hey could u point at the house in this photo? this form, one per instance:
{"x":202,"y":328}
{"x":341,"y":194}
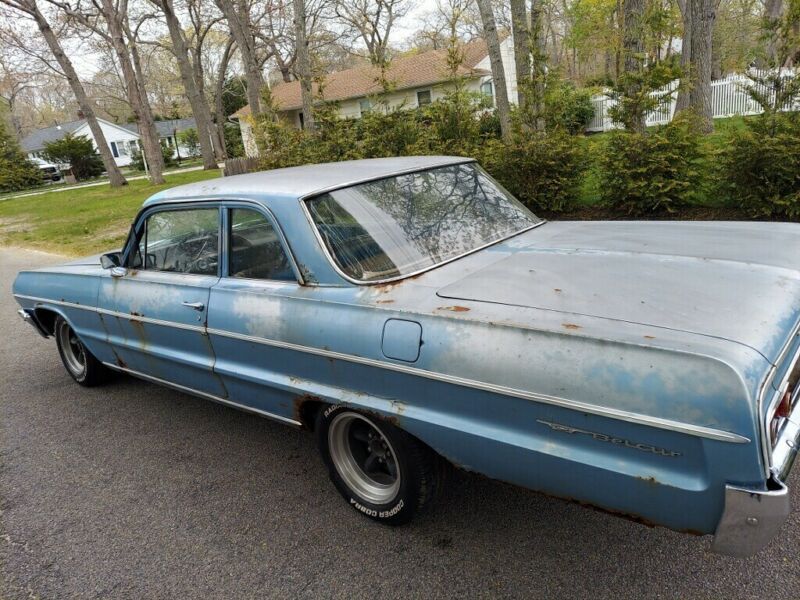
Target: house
{"x":414,"y":80}
{"x":168,"y":133}
{"x":123,"y":139}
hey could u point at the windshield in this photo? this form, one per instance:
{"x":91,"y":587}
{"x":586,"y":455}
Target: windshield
{"x":404,"y":224}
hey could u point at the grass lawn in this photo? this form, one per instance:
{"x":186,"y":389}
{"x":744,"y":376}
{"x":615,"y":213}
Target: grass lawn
{"x":81,"y":221}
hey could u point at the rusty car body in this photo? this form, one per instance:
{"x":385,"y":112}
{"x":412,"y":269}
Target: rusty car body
{"x":646,"y":368}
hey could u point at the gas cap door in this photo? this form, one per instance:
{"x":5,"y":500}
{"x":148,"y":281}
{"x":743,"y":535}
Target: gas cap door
{"x":401,"y":340}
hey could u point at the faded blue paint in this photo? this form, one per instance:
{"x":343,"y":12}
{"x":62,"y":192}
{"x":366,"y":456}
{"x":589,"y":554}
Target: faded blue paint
{"x":675,"y":321}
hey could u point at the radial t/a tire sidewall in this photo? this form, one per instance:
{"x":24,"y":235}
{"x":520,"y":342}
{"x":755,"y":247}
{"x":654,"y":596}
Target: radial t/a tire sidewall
{"x":404,"y":505}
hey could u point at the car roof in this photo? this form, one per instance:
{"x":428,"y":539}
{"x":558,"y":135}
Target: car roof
{"x":306,"y":180}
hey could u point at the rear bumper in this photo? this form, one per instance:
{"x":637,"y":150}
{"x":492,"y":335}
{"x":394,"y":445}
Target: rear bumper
{"x":29,"y":316}
{"x":753,"y":517}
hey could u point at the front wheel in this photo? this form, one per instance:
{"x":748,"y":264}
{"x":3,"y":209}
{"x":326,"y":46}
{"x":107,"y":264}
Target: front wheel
{"x":382,"y":471}
{"x":82,"y":366}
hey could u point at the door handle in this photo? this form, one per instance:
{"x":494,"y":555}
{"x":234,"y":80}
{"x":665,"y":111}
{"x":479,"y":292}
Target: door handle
{"x":194,"y":305}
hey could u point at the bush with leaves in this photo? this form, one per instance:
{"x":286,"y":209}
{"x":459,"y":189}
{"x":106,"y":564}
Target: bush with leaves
{"x":79,"y":153}
{"x":652,"y":171}
{"x":542,"y":169}
{"x":16,"y":171}
{"x":189,"y":142}
{"x":759,"y":167}
{"x":167,"y":153}
{"x":566,"y":107}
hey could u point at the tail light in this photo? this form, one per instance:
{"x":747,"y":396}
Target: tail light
{"x":782,"y":411}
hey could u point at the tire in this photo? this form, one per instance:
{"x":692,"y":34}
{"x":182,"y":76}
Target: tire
{"x":81,"y":364}
{"x":380,"y":470}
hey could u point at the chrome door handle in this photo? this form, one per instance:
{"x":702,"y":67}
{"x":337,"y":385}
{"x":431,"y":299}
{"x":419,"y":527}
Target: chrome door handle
{"x":194,"y":305}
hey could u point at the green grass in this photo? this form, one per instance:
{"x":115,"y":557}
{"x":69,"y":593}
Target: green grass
{"x":81,"y":221}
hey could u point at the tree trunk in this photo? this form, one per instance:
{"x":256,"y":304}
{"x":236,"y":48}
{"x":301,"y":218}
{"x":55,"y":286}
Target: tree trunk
{"x":115,"y":177}
{"x":703,"y":15}
{"x":147,"y":125}
{"x":773,"y":10}
{"x":682,"y":101}
{"x":219,"y":90}
{"x":522,"y":52}
{"x":538,"y":44}
{"x":633,"y":48}
{"x":498,"y":73}
{"x":200,"y":110}
{"x":303,"y":63}
{"x":239,"y":22}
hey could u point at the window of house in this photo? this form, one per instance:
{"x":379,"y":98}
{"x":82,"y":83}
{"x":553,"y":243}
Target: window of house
{"x":487,"y":89}
{"x":114,"y":149}
{"x":181,"y":241}
{"x":423,"y":97}
{"x":364,"y":105}
{"x":122,"y":148}
{"x":255,"y":249}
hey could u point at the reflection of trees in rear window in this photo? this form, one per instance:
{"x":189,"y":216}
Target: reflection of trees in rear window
{"x":399,"y":225}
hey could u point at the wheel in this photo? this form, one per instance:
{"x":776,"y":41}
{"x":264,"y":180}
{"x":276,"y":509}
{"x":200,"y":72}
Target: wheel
{"x":82,"y":366}
{"x":382,"y":471}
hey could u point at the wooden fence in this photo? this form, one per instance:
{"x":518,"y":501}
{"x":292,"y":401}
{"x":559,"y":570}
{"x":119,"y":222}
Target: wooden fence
{"x":729,"y":97}
{"x":238,"y":166}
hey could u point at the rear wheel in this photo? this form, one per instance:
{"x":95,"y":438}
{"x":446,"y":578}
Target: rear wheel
{"x":82,"y":366}
{"x":382,"y":471}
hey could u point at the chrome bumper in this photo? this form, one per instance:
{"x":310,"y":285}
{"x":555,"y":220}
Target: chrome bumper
{"x":27,"y":315}
{"x":753,"y":517}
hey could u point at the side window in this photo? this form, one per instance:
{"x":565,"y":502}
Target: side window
{"x":182,"y":241}
{"x":255,"y":248}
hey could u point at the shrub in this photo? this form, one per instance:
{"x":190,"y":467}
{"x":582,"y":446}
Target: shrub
{"x":759,"y":167}
{"x":653,"y":171}
{"x":78,"y":152}
{"x":137,"y":162}
{"x":567,"y":108}
{"x":233,"y":140}
{"x":189,"y":142}
{"x":543,"y":170}
{"x":16,"y":171}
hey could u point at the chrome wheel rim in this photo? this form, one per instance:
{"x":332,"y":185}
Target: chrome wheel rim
{"x":364,"y":458}
{"x":71,"y":349}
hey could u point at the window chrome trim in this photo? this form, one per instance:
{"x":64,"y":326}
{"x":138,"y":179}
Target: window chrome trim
{"x":332,"y":261}
{"x":223,"y":204}
{"x":204,"y":395}
{"x":603,"y":411}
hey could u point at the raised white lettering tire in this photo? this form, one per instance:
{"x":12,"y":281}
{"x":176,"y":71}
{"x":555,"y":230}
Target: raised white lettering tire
{"x":383,"y":472}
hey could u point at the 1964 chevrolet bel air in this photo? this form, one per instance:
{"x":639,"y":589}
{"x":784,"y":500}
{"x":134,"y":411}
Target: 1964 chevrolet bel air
{"x":415,"y":315}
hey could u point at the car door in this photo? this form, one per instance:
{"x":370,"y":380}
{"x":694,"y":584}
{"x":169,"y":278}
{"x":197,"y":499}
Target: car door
{"x":156,"y":312}
{"x":253,"y":299}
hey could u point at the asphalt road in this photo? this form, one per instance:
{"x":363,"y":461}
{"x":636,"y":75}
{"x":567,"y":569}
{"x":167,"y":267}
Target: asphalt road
{"x":134,"y":491}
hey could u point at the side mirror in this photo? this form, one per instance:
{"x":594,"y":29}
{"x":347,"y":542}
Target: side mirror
{"x":110,"y":260}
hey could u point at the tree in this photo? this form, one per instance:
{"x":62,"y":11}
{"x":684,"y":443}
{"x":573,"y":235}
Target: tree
{"x":522,"y":50}
{"x":31,"y":9}
{"x":634,"y":54}
{"x":371,"y":21}
{"x":78,"y":152}
{"x":696,"y":59}
{"x":16,"y":171}
{"x":303,"y":63}
{"x":200,"y":110}
{"x":188,"y":138}
{"x":498,"y":73}
{"x":237,"y":14}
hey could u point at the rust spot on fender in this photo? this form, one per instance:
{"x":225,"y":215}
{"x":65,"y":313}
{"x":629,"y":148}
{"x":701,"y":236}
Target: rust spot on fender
{"x":387,"y":301}
{"x":649,"y":337}
{"x":454,"y":308}
{"x":136,"y":314}
{"x":571,"y":326}
{"x":557,"y":290}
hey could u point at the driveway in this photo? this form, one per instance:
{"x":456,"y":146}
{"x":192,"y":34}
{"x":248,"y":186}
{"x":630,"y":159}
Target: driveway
{"x":134,"y":491}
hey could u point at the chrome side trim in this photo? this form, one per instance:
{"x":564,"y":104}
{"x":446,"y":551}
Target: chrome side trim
{"x":206,"y":396}
{"x":751,"y":518}
{"x":603,"y":411}
{"x":622,"y":415}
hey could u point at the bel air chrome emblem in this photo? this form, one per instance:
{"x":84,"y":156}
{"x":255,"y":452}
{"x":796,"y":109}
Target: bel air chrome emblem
{"x":602,"y":437}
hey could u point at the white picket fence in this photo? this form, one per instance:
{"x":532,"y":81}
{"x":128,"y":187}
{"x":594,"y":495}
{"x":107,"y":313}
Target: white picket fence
{"x":729,"y":97}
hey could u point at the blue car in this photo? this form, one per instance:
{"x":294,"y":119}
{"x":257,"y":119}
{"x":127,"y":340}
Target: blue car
{"x":415,"y":317}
